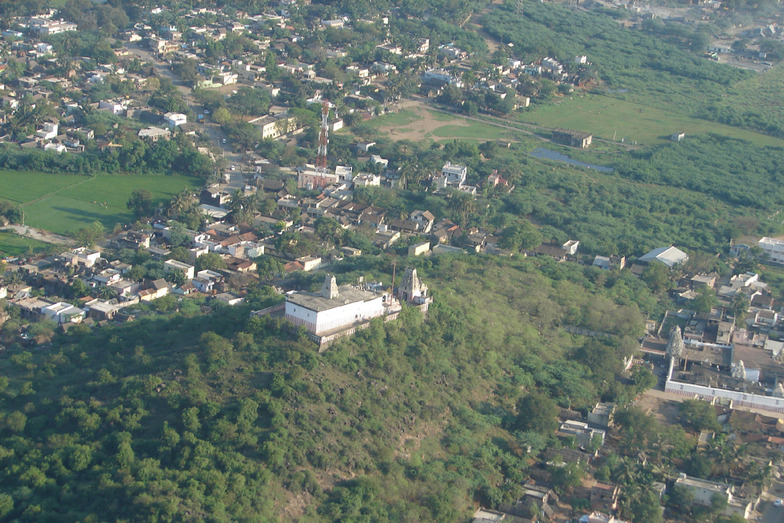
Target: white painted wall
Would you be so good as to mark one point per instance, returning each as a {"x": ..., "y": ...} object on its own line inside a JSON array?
[{"x": 336, "y": 318}]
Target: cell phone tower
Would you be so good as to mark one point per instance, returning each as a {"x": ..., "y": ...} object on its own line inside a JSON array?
[{"x": 321, "y": 158}]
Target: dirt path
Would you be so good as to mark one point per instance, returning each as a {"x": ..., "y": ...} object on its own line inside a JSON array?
[{"x": 39, "y": 234}]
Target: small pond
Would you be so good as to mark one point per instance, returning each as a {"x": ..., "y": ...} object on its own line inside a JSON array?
[{"x": 547, "y": 154}]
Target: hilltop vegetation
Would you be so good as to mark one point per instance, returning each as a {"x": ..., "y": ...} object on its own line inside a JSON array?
[{"x": 221, "y": 416}]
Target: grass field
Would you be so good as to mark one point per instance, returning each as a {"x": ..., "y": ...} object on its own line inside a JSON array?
[
  {"x": 606, "y": 117},
  {"x": 24, "y": 186},
  {"x": 11, "y": 244},
  {"x": 64, "y": 203},
  {"x": 476, "y": 131},
  {"x": 403, "y": 117}
]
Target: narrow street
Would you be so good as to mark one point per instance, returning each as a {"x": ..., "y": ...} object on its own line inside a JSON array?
[{"x": 213, "y": 131}]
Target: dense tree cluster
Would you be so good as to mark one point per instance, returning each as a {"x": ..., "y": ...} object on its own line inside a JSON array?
[
  {"x": 134, "y": 157},
  {"x": 185, "y": 414}
]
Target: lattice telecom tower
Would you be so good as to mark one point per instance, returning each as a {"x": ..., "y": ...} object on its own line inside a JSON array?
[{"x": 321, "y": 159}]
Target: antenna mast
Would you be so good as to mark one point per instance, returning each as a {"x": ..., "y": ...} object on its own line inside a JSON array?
[
  {"x": 394, "y": 266},
  {"x": 321, "y": 159}
]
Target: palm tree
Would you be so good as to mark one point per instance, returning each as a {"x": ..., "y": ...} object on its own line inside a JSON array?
[{"x": 179, "y": 203}]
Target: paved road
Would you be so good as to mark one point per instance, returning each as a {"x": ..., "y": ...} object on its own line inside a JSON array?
[{"x": 772, "y": 513}]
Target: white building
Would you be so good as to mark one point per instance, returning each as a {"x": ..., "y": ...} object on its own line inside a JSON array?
[
  {"x": 62, "y": 312},
  {"x": 175, "y": 265},
  {"x": 309, "y": 263},
  {"x": 703, "y": 490},
  {"x": 669, "y": 256},
  {"x": 571, "y": 247},
  {"x": 81, "y": 256},
  {"x": 451, "y": 176},
  {"x": 175, "y": 119},
  {"x": 333, "y": 308},
  {"x": 311, "y": 178},
  {"x": 45, "y": 26},
  {"x": 44, "y": 48},
  {"x": 441, "y": 76},
  {"x": 773, "y": 248},
  {"x": 154, "y": 134},
  {"x": 48, "y": 131},
  {"x": 55, "y": 148},
  {"x": 337, "y": 23},
  {"x": 598, "y": 517},
  {"x": 113, "y": 107},
  {"x": 367, "y": 180}
]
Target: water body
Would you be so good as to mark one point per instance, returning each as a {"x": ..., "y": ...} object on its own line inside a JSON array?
[{"x": 547, "y": 154}]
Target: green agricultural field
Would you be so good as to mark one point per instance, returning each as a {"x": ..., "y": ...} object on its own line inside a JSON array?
[
  {"x": 24, "y": 186},
  {"x": 11, "y": 244},
  {"x": 65, "y": 203},
  {"x": 608, "y": 117}
]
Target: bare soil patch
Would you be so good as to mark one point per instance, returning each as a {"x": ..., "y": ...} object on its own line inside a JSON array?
[{"x": 422, "y": 128}]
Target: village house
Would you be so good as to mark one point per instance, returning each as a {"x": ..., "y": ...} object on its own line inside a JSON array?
[
  {"x": 670, "y": 256},
  {"x": 704, "y": 492},
  {"x": 175, "y": 265},
  {"x": 157, "y": 289},
  {"x": 62, "y": 312},
  {"x": 154, "y": 134},
  {"x": 609, "y": 263},
  {"x": 419, "y": 249},
  {"x": 604, "y": 497},
  {"x": 773, "y": 249},
  {"x": 175, "y": 119},
  {"x": 451, "y": 175},
  {"x": 584, "y": 436},
  {"x": 579, "y": 139}
]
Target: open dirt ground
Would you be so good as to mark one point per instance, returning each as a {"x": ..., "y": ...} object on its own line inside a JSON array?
[{"x": 423, "y": 126}]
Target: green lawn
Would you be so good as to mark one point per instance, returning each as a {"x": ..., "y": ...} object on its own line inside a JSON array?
[
  {"x": 11, "y": 244},
  {"x": 24, "y": 186},
  {"x": 64, "y": 203},
  {"x": 605, "y": 117},
  {"x": 474, "y": 131}
]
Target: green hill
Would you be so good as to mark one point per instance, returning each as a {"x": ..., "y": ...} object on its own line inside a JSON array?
[{"x": 218, "y": 416}]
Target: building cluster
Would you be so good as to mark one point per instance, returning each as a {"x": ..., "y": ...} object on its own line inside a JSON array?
[
  {"x": 583, "y": 438},
  {"x": 724, "y": 348},
  {"x": 120, "y": 80},
  {"x": 39, "y": 287},
  {"x": 335, "y": 200},
  {"x": 512, "y": 77}
]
